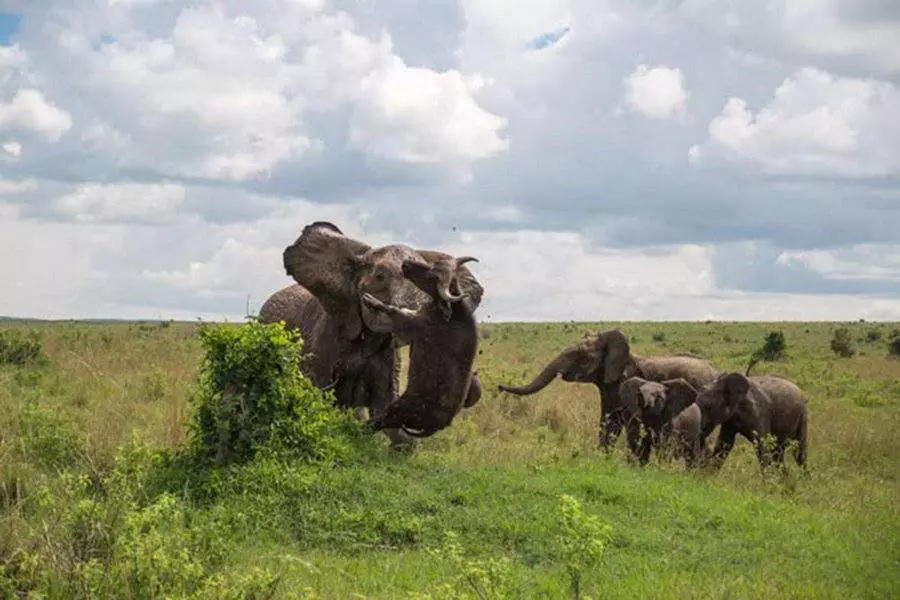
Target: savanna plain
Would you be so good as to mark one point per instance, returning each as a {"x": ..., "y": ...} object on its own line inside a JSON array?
[{"x": 513, "y": 500}]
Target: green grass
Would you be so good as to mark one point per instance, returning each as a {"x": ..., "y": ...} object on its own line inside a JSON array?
[{"x": 80, "y": 500}]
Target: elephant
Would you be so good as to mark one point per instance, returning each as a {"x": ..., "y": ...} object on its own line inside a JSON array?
[
  {"x": 350, "y": 346},
  {"x": 442, "y": 351},
  {"x": 653, "y": 405},
  {"x": 755, "y": 407},
  {"x": 605, "y": 359},
  {"x": 685, "y": 435}
]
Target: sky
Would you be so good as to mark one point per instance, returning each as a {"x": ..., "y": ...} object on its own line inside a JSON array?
[{"x": 603, "y": 159}]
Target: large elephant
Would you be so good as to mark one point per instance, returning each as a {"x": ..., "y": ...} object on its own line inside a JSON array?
[
  {"x": 755, "y": 407},
  {"x": 350, "y": 345},
  {"x": 652, "y": 405},
  {"x": 605, "y": 359},
  {"x": 442, "y": 352}
]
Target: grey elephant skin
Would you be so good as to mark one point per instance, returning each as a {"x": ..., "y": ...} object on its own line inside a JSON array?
[
  {"x": 346, "y": 340},
  {"x": 685, "y": 435},
  {"x": 443, "y": 346},
  {"x": 755, "y": 407},
  {"x": 652, "y": 406},
  {"x": 605, "y": 359}
]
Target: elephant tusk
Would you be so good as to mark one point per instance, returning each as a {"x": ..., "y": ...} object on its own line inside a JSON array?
[{"x": 331, "y": 385}]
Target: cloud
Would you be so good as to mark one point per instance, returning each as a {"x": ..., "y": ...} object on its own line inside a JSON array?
[
  {"x": 873, "y": 262},
  {"x": 234, "y": 93},
  {"x": 656, "y": 92},
  {"x": 816, "y": 124},
  {"x": 12, "y": 148},
  {"x": 852, "y": 37},
  {"x": 29, "y": 110},
  {"x": 9, "y": 188},
  {"x": 416, "y": 115},
  {"x": 129, "y": 203},
  {"x": 204, "y": 137}
]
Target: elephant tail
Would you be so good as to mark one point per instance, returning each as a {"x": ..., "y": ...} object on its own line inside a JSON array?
[{"x": 753, "y": 360}]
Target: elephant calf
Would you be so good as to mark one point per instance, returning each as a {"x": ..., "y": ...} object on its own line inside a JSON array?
[
  {"x": 756, "y": 407},
  {"x": 653, "y": 405},
  {"x": 443, "y": 344}
]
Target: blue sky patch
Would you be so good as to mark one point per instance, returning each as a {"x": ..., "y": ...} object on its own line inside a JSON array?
[
  {"x": 550, "y": 38},
  {"x": 10, "y": 23}
]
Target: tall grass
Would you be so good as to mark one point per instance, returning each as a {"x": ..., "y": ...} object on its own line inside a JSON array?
[{"x": 86, "y": 476}]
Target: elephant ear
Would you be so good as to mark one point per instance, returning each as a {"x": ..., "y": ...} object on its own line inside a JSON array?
[
  {"x": 617, "y": 354},
  {"x": 326, "y": 262},
  {"x": 679, "y": 395},
  {"x": 630, "y": 395}
]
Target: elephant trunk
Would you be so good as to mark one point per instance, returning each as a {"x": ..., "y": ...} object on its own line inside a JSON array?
[
  {"x": 443, "y": 287},
  {"x": 543, "y": 378}
]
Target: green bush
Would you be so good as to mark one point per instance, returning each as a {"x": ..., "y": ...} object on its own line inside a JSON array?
[
  {"x": 842, "y": 343},
  {"x": 18, "y": 348},
  {"x": 894, "y": 346},
  {"x": 774, "y": 348},
  {"x": 252, "y": 396},
  {"x": 873, "y": 335}
]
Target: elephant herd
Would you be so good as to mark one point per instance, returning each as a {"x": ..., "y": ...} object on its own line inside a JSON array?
[
  {"x": 355, "y": 305},
  {"x": 679, "y": 400}
]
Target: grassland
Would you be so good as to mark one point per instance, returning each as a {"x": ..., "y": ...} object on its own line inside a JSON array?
[{"x": 86, "y": 490}]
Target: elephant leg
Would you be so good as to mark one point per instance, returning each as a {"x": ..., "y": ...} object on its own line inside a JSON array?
[
  {"x": 474, "y": 393},
  {"x": 800, "y": 450},
  {"x": 724, "y": 444},
  {"x": 778, "y": 453},
  {"x": 646, "y": 445},
  {"x": 690, "y": 452},
  {"x": 610, "y": 428},
  {"x": 610, "y": 423}
]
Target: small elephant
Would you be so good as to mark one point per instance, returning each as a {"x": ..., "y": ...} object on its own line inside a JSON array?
[
  {"x": 605, "y": 359},
  {"x": 685, "y": 435},
  {"x": 443, "y": 346},
  {"x": 653, "y": 405},
  {"x": 755, "y": 407}
]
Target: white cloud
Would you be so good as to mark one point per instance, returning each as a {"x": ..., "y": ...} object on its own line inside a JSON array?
[
  {"x": 127, "y": 202},
  {"x": 362, "y": 112},
  {"x": 11, "y": 188},
  {"x": 847, "y": 34},
  {"x": 416, "y": 115},
  {"x": 29, "y": 110},
  {"x": 656, "y": 92},
  {"x": 234, "y": 92},
  {"x": 865, "y": 261},
  {"x": 13, "y": 148},
  {"x": 816, "y": 124}
]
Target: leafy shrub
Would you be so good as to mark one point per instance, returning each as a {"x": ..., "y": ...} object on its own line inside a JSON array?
[
  {"x": 894, "y": 346},
  {"x": 48, "y": 437},
  {"x": 842, "y": 343},
  {"x": 873, "y": 335},
  {"x": 18, "y": 348},
  {"x": 483, "y": 579},
  {"x": 659, "y": 336},
  {"x": 582, "y": 541},
  {"x": 774, "y": 348},
  {"x": 252, "y": 395}
]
